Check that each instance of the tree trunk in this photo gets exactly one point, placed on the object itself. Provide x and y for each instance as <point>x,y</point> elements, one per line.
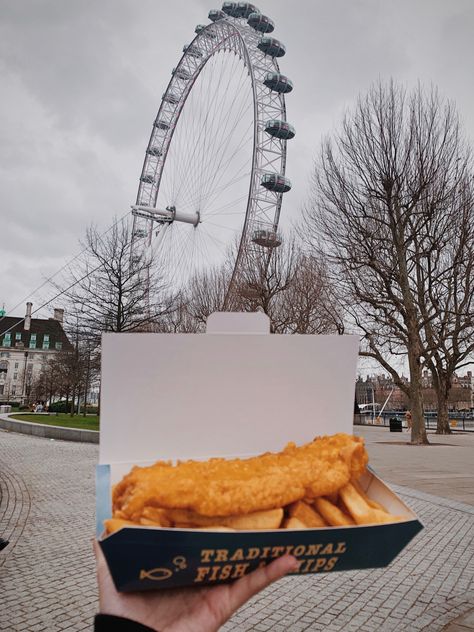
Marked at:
<point>86,385</point>
<point>442,424</point>
<point>442,387</point>
<point>418,429</point>
<point>73,398</point>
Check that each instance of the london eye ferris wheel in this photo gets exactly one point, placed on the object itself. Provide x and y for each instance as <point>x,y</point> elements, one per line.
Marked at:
<point>214,171</point>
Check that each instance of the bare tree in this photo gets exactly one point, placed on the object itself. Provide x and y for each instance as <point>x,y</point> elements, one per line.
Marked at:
<point>382,191</point>
<point>290,287</point>
<point>113,288</point>
<point>446,295</point>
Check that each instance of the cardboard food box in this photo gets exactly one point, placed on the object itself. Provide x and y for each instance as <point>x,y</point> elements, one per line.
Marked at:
<point>234,391</point>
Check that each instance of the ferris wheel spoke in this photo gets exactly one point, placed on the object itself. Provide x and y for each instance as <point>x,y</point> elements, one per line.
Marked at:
<point>213,125</point>
<point>212,122</point>
<point>217,152</point>
<point>215,193</point>
<point>211,98</point>
<point>218,192</point>
<point>219,173</point>
<point>222,209</point>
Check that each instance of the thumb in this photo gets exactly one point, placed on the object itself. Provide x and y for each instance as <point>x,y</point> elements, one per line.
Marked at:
<point>251,584</point>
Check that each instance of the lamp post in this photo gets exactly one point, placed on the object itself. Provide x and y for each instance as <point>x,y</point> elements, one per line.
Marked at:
<point>23,389</point>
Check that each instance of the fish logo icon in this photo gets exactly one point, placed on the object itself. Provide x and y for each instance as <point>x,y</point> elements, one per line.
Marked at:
<point>160,573</point>
<point>156,574</point>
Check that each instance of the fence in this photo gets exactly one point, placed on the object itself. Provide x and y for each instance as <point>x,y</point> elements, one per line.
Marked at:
<point>458,421</point>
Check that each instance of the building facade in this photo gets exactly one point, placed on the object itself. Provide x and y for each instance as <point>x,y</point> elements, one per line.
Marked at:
<point>25,345</point>
<point>380,388</point>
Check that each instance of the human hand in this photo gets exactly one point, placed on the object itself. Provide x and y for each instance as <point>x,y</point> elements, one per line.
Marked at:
<point>186,609</point>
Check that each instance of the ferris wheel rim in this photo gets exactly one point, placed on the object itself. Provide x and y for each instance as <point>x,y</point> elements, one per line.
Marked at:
<point>232,35</point>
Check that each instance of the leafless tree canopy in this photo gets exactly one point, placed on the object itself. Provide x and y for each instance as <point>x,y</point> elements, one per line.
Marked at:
<point>385,213</point>
<point>291,287</point>
<point>113,288</point>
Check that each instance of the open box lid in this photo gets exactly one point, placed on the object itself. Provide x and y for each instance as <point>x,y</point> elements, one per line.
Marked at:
<point>178,396</point>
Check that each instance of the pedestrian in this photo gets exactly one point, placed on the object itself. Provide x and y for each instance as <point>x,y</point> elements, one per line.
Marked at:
<point>180,609</point>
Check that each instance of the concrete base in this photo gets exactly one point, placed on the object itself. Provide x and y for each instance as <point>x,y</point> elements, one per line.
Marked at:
<point>49,432</point>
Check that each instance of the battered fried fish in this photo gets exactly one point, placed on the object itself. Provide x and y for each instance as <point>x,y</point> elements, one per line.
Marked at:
<point>221,487</point>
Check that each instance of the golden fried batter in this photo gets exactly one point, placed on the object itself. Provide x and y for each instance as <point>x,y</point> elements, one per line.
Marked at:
<point>221,487</point>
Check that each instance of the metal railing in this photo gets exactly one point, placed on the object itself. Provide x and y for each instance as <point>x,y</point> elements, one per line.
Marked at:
<point>463,422</point>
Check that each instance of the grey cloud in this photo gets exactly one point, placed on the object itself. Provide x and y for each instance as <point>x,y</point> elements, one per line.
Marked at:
<point>83,80</point>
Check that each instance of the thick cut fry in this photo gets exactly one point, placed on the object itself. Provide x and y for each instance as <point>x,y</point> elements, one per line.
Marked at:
<point>187,518</point>
<point>361,511</point>
<point>238,487</point>
<point>293,523</point>
<point>114,524</point>
<point>332,514</point>
<point>334,497</point>
<point>157,515</point>
<point>306,514</point>
<point>258,520</point>
<point>215,528</point>
<point>372,503</point>
<point>146,522</point>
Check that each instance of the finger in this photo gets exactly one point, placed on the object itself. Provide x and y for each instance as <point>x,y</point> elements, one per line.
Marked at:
<point>256,581</point>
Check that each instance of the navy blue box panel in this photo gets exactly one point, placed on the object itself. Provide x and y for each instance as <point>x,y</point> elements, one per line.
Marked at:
<point>150,559</point>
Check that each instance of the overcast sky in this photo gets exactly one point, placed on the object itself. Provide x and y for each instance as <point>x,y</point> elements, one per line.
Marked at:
<point>81,81</point>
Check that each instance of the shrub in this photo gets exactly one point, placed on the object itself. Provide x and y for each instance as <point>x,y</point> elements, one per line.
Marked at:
<point>59,407</point>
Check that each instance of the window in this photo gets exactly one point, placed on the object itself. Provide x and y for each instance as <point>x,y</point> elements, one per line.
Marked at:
<point>7,340</point>
<point>3,366</point>
<point>18,335</point>
<point>59,346</point>
<point>46,341</point>
<point>16,365</point>
<point>4,354</point>
<point>2,389</point>
<point>33,341</point>
<point>13,390</point>
<point>15,376</point>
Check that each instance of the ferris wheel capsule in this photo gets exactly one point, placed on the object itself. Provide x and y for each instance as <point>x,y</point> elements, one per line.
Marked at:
<point>278,82</point>
<point>202,28</point>
<point>266,237</point>
<point>276,182</point>
<point>230,8</point>
<point>181,73</point>
<point>251,291</point>
<point>192,50</point>
<point>147,179</point>
<point>216,14</point>
<point>244,9</point>
<point>171,97</point>
<point>271,46</point>
<point>154,151</point>
<point>279,129</point>
<point>159,124</point>
<point>261,23</point>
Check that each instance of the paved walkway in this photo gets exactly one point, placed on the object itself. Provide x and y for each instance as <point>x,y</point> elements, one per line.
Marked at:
<point>445,468</point>
<point>47,572</point>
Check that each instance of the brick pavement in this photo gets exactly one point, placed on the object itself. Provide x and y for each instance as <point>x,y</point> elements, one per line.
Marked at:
<point>47,572</point>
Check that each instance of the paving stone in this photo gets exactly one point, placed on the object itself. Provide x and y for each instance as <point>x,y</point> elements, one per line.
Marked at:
<point>47,579</point>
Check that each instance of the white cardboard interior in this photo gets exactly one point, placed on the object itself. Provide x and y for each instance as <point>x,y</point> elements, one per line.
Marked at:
<point>168,396</point>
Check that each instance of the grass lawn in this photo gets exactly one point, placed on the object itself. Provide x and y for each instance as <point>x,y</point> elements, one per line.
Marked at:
<point>91,422</point>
